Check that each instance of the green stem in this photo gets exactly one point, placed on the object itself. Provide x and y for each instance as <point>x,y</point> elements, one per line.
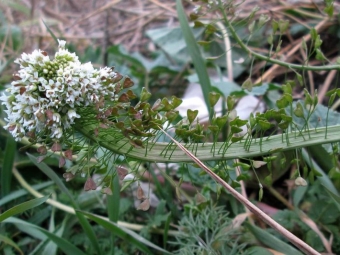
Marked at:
<point>117,143</point>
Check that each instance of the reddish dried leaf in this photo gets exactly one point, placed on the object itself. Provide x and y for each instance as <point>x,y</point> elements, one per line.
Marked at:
<point>62,161</point>
<point>137,143</point>
<point>68,154</point>
<point>140,193</point>
<point>122,172</point>
<point>108,112</point>
<point>68,176</point>
<point>12,127</point>
<point>16,77</point>
<point>144,206</point>
<point>107,191</point>
<point>200,198</point>
<point>118,88</point>
<point>40,158</point>
<point>130,94</point>
<point>127,83</point>
<point>124,98</point>
<point>49,114</point>
<point>104,126</point>
<point>22,90</point>
<point>30,134</point>
<point>42,150</point>
<point>96,132</point>
<point>56,147</point>
<point>90,184</point>
<point>117,78</point>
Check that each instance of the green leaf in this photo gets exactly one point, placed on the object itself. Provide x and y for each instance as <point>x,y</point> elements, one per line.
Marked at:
<point>6,173</point>
<point>195,54</point>
<point>319,55</point>
<point>221,121</point>
<point>191,115</point>
<point>213,98</point>
<point>6,240</point>
<point>171,41</point>
<point>64,245</point>
<point>283,25</point>
<point>144,95</point>
<point>324,180</point>
<point>251,27</point>
<point>82,220</point>
<point>260,194</point>
<point>313,33</point>
<point>22,207</point>
<point>18,193</point>
<point>258,251</point>
<point>18,6</point>
<point>271,241</point>
<point>263,19</point>
<point>336,198</point>
<point>329,10</point>
<point>282,102</point>
<point>265,125</point>
<point>126,234</point>
<point>51,33</point>
<point>231,101</point>
<point>298,111</point>
<point>247,84</point>
<point>275,26</point>
<point>317,42</point>
<point>298,194</point>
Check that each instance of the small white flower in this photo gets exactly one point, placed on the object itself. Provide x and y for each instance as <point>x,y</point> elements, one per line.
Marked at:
<point>47,92</point>
<point>61,43</point>
<point>58,133</point>
<point>56,117</point>
<point>300,181</point>
<point>72,115</point>
<point>128,177</point>
<point>50,93</point>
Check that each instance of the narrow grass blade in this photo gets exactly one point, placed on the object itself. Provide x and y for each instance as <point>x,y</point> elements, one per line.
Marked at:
<point>272,241</point>
<point>324,179</point>
<point>22,207</point>
<point>195,55</point>
<point>113,204</point>
<point>126,234</point>
<point>6,240</point>
<point>6,173</point>
<point>82,220</point>
<point>163,191</point>
<point>335,197</point>
<point>50,31</point>
<point>114,200</point>
<point>166,230</point>
<point>258,251</point>
<point>51,247</point>
<point>19,193</point>
<point>64,245</point>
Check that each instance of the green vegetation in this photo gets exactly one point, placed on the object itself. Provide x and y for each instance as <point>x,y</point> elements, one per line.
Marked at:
<point>99,160</point>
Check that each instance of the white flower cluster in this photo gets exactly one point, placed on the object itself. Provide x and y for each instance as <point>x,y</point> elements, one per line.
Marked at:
<point>46,93</point>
